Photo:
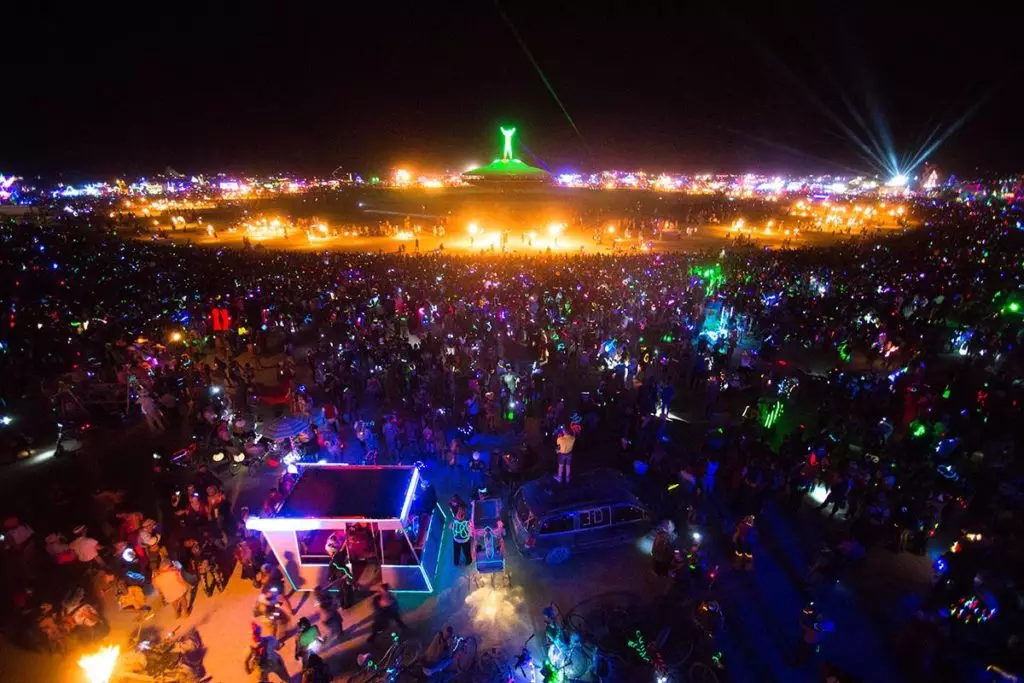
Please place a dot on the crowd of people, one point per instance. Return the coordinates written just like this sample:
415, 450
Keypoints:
879, 376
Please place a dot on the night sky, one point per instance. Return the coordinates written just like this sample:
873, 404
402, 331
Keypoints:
369, 85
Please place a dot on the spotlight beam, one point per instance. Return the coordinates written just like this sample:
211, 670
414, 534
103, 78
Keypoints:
876, 160
792, 150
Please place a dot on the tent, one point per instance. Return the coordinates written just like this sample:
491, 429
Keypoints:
284, 428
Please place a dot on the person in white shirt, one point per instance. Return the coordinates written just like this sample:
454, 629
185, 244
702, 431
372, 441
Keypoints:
564, 444
86, 549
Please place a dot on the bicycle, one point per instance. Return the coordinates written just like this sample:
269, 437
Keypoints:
573, 622
455, 663
571, 659
710, 621
612, 628
493, 666
399, 657
707, 673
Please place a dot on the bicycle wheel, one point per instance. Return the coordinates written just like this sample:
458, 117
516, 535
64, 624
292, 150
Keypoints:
616, 627
181, 673
489, 668
575, 623
408, 653
576, 664
702, 673
366, 676
710, 621
674, 646
465, 657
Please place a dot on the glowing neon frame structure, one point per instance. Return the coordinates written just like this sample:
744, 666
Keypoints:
281, 534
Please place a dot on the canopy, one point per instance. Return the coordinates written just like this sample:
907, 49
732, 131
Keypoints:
284, 428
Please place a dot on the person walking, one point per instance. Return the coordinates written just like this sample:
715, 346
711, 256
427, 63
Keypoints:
264, 659
308, 640
330, 615
462, 535
385, 610
173, 587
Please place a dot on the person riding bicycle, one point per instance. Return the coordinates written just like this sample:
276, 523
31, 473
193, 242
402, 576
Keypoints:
269, 608
308, 640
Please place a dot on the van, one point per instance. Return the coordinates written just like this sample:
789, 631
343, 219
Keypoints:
551, 521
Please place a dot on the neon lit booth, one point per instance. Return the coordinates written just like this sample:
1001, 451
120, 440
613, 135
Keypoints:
381, 514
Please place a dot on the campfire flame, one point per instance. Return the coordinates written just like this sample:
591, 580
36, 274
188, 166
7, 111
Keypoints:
99, 667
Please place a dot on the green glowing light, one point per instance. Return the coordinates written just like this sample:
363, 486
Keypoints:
1014, 307
639, 645
919, 430
947, 392
772, 416
844, 352
508, 133
710, 276
507, 167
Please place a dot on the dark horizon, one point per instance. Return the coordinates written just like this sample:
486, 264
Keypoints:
103, 93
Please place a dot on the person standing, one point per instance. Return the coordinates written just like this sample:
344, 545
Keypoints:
462, 535
391, 439
87, 549
428, 442
149, 539
331, 415
150, 409
564, 445
662, 549
710, 470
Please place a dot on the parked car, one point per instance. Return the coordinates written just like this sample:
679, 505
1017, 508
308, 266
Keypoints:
551, 521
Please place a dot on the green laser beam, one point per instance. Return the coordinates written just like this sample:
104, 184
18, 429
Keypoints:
540, 72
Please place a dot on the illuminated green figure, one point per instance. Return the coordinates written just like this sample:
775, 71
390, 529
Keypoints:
507, 154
